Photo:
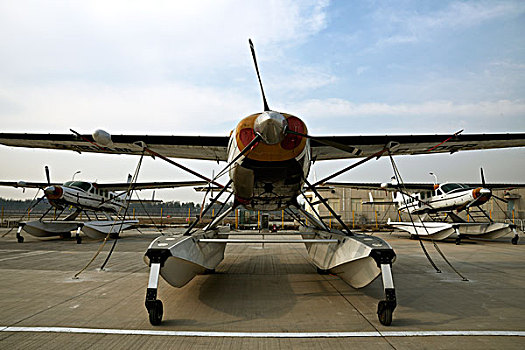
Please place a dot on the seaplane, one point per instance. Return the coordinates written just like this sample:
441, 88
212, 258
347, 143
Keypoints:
268, 157
85, 197
441, 203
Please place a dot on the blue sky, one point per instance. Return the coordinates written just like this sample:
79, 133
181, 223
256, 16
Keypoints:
345, 67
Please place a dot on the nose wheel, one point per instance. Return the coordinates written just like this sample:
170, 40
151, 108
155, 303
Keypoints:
155, 311
77, 235
515, 239
154, 305
384, 313
19, 237
385, 308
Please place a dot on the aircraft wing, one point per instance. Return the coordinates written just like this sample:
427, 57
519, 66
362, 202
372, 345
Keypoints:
495, 186
193, 147
215, 147
24, 184
148, 185
414, 144
377, 186
418, 186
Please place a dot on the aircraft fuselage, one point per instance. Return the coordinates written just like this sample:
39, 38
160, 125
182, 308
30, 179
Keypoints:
445, 197
83, 195
271, 174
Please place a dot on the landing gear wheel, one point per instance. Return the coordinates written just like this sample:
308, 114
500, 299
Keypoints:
384, 313
458, 241
20, 239
155, 312
514, 240
79, 240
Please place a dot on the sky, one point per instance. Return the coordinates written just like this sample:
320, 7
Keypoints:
184, 68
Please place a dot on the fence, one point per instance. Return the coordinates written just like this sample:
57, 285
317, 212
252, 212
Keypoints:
368, 216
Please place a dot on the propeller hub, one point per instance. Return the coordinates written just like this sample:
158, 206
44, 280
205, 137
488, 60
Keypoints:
485, 192
481, 195
53, 192
270, 125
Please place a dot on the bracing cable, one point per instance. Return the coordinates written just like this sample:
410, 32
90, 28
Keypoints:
396, 170
149, 216
133, 180
398, 176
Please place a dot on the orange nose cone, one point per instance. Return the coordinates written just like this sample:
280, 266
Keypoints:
481, 194
290, 146
53, 192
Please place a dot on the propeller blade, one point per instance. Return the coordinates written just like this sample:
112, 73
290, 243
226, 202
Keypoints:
252, 48
482, 177
46, 168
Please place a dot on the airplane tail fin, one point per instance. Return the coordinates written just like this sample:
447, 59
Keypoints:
372, 202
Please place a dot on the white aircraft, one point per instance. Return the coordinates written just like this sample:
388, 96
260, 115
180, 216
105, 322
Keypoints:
85, 197
268, 157
447, 198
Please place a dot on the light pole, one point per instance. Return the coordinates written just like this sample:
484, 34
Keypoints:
435, 178
77, 172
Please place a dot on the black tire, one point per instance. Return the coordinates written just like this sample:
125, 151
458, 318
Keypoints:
79, 240
20, 239
458, 241
385, 316
155, 313
514, 240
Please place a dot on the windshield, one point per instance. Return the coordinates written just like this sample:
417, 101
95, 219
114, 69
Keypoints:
78, 184
452, 187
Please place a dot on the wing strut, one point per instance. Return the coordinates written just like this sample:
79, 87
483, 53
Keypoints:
362, 161
172, 162
325, 203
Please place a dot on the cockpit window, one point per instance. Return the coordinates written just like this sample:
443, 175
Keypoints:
452, 187
78, 184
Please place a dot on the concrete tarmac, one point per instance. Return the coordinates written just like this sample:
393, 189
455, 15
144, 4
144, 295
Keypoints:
257, 296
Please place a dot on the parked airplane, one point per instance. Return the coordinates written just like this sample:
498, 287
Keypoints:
85, 197
268, 158
447, 198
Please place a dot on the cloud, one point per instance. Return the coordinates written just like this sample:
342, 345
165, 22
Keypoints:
144, 40
398, 25
299, 79
342, 108
338, 116
173, 108
362, 69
